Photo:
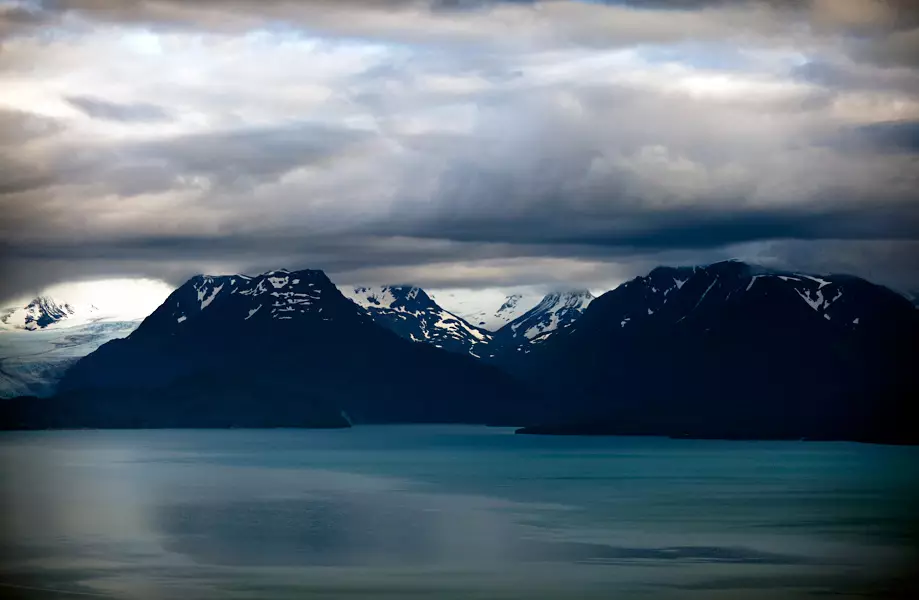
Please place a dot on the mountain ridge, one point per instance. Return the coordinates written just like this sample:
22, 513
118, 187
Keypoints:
284, 348
411, 313
554, 312
727, 350
735, 350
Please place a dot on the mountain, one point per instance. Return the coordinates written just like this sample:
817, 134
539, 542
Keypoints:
412, 314
485, 309
278, 349
42, 312
555, 311
512, 307
735, 350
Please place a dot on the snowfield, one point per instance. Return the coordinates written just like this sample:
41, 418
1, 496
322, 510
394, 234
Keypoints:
32, 362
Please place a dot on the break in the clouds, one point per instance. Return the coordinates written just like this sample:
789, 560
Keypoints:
465, 144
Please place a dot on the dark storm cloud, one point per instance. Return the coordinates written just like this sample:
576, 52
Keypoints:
137, 112
169, 257
691, 228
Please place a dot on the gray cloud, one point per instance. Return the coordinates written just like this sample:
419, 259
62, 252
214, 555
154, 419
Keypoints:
457, 143
137, 112
21, 20
19, 130
18, 127
901, 136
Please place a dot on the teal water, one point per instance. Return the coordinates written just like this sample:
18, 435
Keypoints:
450, 511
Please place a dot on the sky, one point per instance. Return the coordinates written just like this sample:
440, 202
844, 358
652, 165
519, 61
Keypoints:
455, 144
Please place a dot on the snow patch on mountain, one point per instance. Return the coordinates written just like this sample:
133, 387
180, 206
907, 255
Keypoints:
286, 294
413, 314
489, 309
677, 294
554, 312
376, 297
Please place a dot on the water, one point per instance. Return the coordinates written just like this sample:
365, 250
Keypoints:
449, 511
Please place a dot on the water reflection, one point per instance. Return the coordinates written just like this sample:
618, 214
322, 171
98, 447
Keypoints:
334, 530
276, 514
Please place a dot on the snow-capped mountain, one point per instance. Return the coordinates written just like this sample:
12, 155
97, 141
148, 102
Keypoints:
277, 349
411, 313
486, 309
687, 293
731, 349
275, 295
554, 311
513, 307
44, 311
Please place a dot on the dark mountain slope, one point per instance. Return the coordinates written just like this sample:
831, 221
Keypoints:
732, 350
282, 348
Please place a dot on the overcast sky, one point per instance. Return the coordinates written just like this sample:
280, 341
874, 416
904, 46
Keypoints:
468, 144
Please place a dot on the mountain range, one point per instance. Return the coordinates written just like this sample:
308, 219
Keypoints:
278, 349
413, 314
724, 350
33, 360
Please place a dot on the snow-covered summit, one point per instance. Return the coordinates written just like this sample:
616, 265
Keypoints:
555, 311
275, 295
702, 299
489, 309
44, 311
410, 312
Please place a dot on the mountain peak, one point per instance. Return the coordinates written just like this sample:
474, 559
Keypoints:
39, 313
388, 296
277, 294
569, 296
691, 295
555, 311
409, 312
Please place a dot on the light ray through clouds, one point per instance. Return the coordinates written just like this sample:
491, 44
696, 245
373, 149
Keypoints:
455, 144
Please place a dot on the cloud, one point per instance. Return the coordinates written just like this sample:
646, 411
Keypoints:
98, 108
455, 143
20, 132
18, 19
897, 136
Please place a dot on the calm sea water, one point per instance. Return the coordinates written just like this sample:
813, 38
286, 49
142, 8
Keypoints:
465, 512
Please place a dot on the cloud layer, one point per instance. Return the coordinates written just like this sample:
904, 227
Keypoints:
452, 143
